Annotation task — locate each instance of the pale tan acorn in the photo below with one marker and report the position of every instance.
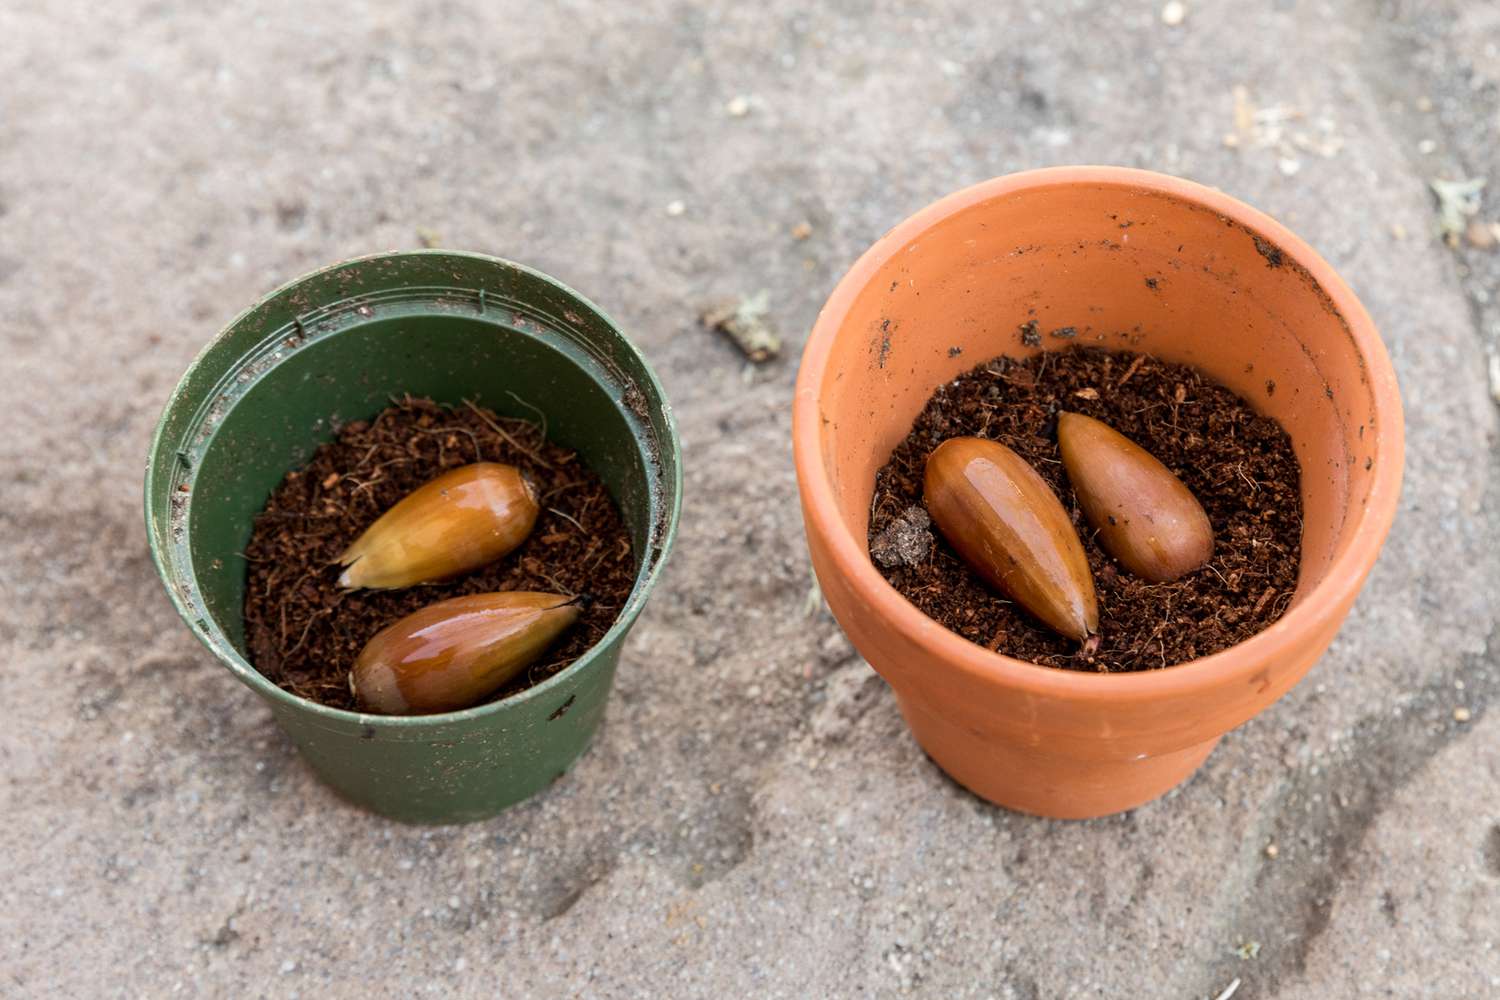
(1006, 523)
(452, 654)
(1146, 518)
(458, 522)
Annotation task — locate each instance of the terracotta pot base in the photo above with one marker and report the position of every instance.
(1031, 781)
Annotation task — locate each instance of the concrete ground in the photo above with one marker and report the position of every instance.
(754, 820)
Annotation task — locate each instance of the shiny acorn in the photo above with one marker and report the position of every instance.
(460, 521)
(1006, 523)
(1146, 518)
(452, 654)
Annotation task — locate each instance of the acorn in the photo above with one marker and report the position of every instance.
(1005, 521)
(454, 653)
(460, 521)
(1146, 518)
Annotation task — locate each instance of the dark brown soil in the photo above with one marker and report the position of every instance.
(1240, 466)
(304, 632)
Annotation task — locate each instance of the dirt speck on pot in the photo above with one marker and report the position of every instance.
(1239, 465)
(1270, 251)
(635, 401)
(884, 350)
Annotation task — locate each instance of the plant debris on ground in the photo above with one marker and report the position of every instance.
(744, 322)
(1458, 201)
(1238, 464)
(303, 631)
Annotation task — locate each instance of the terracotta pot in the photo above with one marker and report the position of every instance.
(1132, 259)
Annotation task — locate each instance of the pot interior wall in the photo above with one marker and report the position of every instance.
(1127, 268)
(291, 408)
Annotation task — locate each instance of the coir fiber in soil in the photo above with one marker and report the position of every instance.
(1239, 465)
(304, 631)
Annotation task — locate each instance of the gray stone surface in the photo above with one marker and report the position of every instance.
(754, 820)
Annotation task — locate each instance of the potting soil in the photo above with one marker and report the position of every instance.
(1238, 464)
(304, 632)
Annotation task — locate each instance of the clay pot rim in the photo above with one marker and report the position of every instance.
(1298, 626)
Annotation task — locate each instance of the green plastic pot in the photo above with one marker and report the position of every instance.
(336, 346)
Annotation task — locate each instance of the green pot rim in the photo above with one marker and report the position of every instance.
(212, 636)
